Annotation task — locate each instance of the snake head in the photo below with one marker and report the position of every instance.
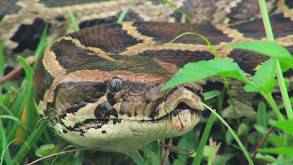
(121, 108)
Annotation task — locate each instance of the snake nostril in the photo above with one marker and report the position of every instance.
(200, 95)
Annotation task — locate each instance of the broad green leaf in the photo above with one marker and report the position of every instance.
(282, 150)
(264, 79)
(193, 72)
(285, 125)
(268, 48)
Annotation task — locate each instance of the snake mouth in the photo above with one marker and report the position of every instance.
(186, 97)
(184, 107)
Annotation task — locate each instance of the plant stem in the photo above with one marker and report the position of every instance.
(279, 74)
(273, 104)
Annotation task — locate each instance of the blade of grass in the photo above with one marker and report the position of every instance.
(203, 141)
(39, 49)
(1, 64)
(206, 40)
(122, 15)
(152, 155)
(28, 70)
(211, 94)
(30, 141)
(233, 134)
(5, 156)
(177, 9)
(73, 21)
(136, 157)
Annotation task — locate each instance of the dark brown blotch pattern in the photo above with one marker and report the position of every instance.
(110, 38)
(178, 57)
(105, 110)
(281, 26)
(165, 32)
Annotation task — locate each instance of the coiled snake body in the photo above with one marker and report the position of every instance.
(100, 87)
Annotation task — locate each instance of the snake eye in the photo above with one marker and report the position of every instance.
(115, 84)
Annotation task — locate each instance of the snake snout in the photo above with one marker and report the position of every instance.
(184, 97)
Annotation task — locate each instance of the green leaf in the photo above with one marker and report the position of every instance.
(285, 125)
(268, 158)
(211, 94)
(136, 157)
(242, 130)
(79, 156)
(252, 138)
(264, 79)
(152, 155)
(192, 72)
(274, 139)
(229, 137)
(47, 149)
(223, 159)
(282, 150)
(261, 118)
(262, 114)
(268, 48)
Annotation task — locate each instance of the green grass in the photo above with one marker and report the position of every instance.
(24, 135)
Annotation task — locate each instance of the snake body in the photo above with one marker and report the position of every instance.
(100, 86)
